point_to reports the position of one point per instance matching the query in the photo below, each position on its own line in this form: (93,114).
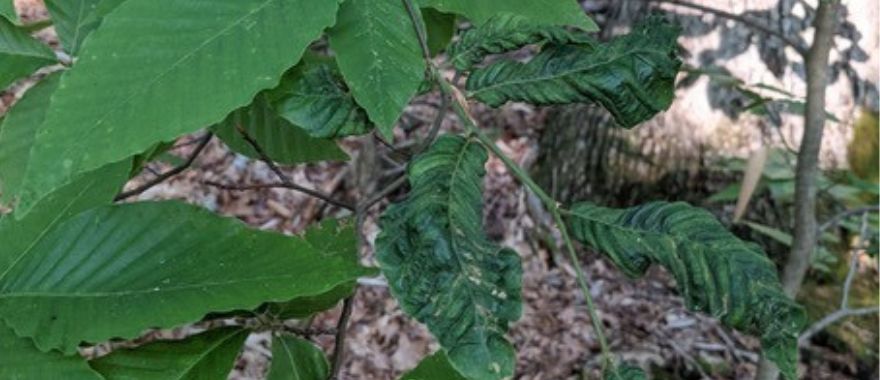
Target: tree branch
(292,186)
(171,173)
(339,344)
(846,214)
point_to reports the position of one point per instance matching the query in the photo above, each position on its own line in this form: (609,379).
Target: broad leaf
(441,267)
(20,359)
(625,372)
(209,355)
(632,76)
(440,28)
(114,271)
(379,55)
(506,32)
(317,101)
(73,20)
(17,132)
(7,10)
(283,142)
(716,273)
(196,60)
(304,307)
(20,54)
(297,359)
(434,367)
(554,12)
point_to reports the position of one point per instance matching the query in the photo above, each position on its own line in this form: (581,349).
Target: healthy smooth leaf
(379,56)
(73,20)
(7,10)
(196,60)
(304,307)
(625,372)
(506,32)
(434,367)
(114,271)
(21,360)
(632,76)
(297,359)
(318,102)
(209,355)
(17,132)
(716,272)
(20,54)
(555,12)
(440,28)
(283,142)
(441,267)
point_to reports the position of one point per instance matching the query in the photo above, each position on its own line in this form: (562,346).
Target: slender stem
(381,194)
(833,318)
(339,344)
(263,156)
(171,173)
(315,193)
(846,214)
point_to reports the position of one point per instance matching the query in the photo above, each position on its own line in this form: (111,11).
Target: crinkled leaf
(73,21)
(632,76)
(441,267)
(625,372)
(20,54)
(379,55)
(506,32)
(716,272)
(114,271)
(283,142)
(555,12)
(196,60)
(17,132)
(209,355)
(434,367)
(297,359)
(319,103)
(21,360)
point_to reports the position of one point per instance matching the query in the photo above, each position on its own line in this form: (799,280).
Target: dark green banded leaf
(114,271)
(632,76)
(715,272)
(209,355)
(441,267)
(20,54)
(297,359)
(506,32)
(21,360)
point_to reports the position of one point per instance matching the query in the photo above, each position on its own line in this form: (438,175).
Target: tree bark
(805,229)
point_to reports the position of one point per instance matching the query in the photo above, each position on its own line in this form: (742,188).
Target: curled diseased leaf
(441,267)
(632,76)
(715,271)
(506,32)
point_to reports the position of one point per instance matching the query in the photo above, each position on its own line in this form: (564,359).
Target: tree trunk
(805,228)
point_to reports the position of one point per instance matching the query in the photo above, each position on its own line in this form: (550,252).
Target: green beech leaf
(506,32)
(441,267)
(440,28)
(20,54)
(7,10)
(632,76)
(209,355)
(196,60)
(379,55)
(434,367)
(283,142)
(114,271)
(21,360)
(304,307)
(73,20)
(555,12)
(318,102)
(716,273)
(297,359)
(625,372)
(17,132)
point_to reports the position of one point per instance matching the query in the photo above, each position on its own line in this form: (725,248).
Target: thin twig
(381,194)
(263,156)
(754,24)
(171,173)
(843,215)
(281,185)
(339,344)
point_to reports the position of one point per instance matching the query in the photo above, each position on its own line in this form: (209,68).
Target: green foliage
(632,76)
(20,54)
(73,20)
(506,32)
(440,28)
(379,56)
(19,359)
(304,307)
(209,355)
(196,62)
(7,10)
(318,102)
(716,273)
(552,12)
(625,372)
(434,367)
(156,265)
(297,359)
(443,270)
(282,141)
